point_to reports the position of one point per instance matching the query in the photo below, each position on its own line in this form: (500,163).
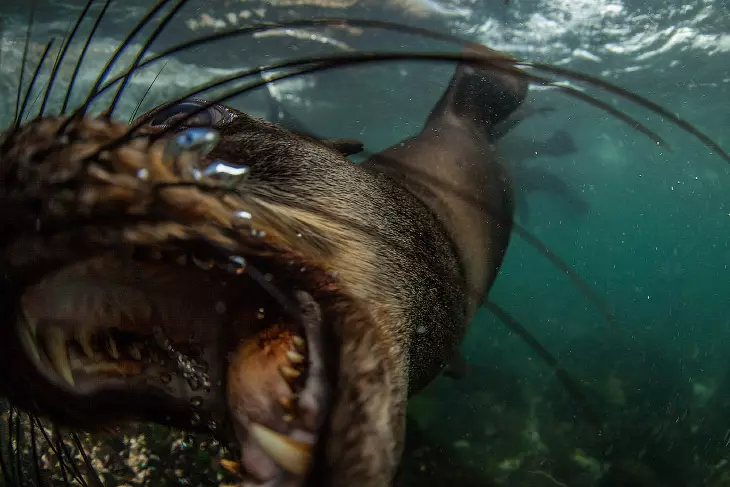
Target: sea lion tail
(481,94)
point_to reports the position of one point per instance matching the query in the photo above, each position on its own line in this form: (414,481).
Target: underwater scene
(485,243)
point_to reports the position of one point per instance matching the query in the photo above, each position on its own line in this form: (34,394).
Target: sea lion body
(411,239)
(416,233)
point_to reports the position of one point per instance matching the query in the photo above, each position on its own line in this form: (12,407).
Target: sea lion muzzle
(129,295)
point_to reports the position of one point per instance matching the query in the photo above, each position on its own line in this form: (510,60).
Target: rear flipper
(483,95)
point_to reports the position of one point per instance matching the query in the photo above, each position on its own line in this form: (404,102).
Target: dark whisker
(570,384)
(92,472)
(266,26)
(158,30)
(56,451)
(62,56)
(18,449)
(588,292)
(48,84)
(601,105)
(77,68)
(638,99)
(34,450)
(33,80)
(570,74)
(104,72)
(18,116)
(141,100)
(74,468)
(61,462)
(324,63)
(4,468)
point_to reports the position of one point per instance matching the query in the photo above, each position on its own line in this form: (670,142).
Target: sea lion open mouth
(208,270)
(155,314)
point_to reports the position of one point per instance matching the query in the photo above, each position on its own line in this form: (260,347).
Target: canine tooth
(55,340)
(26,335)
(289,372)
(292,455)
(135,352)
(112,345)
(31,323)
(83,337)
(231,466)
(295,357)
(298,341)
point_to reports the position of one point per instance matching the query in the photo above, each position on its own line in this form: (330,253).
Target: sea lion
(223,274)
(132,286)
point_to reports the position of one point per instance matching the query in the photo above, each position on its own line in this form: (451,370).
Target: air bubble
(221,170)
(220,307)
(238,264)
(143,174)
(196,401)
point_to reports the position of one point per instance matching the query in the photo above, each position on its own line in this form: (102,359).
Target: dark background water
(654,242)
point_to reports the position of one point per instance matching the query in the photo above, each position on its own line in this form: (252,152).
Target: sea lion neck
(453,168)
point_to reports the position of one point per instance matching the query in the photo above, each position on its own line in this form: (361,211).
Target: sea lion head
(143,280)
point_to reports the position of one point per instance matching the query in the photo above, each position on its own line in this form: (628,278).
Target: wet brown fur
(411,260)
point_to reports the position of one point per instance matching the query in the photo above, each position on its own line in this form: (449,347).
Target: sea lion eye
(210,116)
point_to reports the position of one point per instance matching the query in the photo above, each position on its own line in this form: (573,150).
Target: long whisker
(570,384)
(18,449)
(324,63)
(92,472)
(158,30)
(567,73)
(77,68)
(62,56)
(29,31)
(74,468)
(34,450)
(34,79)
(43,92)
(4,468)
(645,102)
(141,100)
(266,26)
(54,449)
(122,47)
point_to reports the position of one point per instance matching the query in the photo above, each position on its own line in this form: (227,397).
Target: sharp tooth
(55,340)
(286,402)
(112,346)
(31,323)
(292,455)
(83,337)
(298,341)
(289,372)
(231,466)
(26,335)
(295,357)
(135,351)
